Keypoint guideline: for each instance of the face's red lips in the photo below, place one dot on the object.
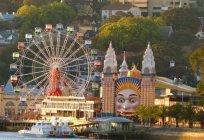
(126, 113)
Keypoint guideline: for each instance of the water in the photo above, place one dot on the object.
(15, 136)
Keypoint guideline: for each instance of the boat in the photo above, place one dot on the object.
(40, 129)
(63, 131)
(48, 129)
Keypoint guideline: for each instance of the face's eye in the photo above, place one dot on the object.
(132, 100)
(121, 100)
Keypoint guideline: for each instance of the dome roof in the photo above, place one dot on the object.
(124, 66)
(134, 72)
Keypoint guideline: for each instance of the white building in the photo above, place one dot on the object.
(112, 9)
(155, 7)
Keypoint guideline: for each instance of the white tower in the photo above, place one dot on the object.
(108, 81)
(148, 78)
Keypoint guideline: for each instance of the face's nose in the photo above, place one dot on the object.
(125, 104)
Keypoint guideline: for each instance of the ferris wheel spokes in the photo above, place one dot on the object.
(34, 61)
(37, 55)
(41, 51)
(73, 83)
(64, 45)
(26, 66)
(37, 85)
(73, 60)
(45, 45)
(58, 43)
(51, 44)
(28, 82)
(32, 73)
(73, 53)
(69, 49)
(76, 77)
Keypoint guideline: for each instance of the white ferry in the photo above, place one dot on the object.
(47, 129)
(40, 129)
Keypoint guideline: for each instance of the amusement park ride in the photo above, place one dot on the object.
(53, 60)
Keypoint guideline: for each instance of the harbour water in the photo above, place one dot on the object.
(15, 136)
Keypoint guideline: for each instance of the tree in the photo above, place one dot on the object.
(25, 20)
(118, 15)
(57, 13)
(163, 53)
(29, 17)
(36, 2)
(182, 18)
(200, 118)
(151, 113)
(141, 113)
(197, 63)
(175, 111)
(162, 113)
(182, 37)
(128, 33)
(189, 114)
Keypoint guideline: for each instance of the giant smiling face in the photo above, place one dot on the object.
(126, 101)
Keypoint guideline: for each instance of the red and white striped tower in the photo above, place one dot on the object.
(148, 78)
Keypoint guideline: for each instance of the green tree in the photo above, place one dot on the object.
(163, 113)
(200, 118)
(151, 113)
(163, 53)
(197, 63)
(57, 13)
(175, 111)
(36, 2)
(128, 33)
(118, 15)
(141, 112)
(29, 17)
(201, 102)
(182, 18)
(189, 114)
(182, 37)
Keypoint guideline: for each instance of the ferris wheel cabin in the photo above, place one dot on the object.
(28, 37)
(21, 45)
(13, 78)
(16, 55)
(13, 67)
(38, 31)
(48, 27)
(70, 29)
(59, 27)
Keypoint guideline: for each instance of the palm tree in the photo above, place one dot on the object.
(141, 113)
(162, 113)
(151, 113)
(200, 118)
(189, 114)
(175, 111)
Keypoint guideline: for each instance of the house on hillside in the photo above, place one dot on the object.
(7, 17)
(8, 37)
(112, 9)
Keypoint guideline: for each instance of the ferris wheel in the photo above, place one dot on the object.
(56, 61)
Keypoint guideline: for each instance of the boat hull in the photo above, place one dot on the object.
(29, 133)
